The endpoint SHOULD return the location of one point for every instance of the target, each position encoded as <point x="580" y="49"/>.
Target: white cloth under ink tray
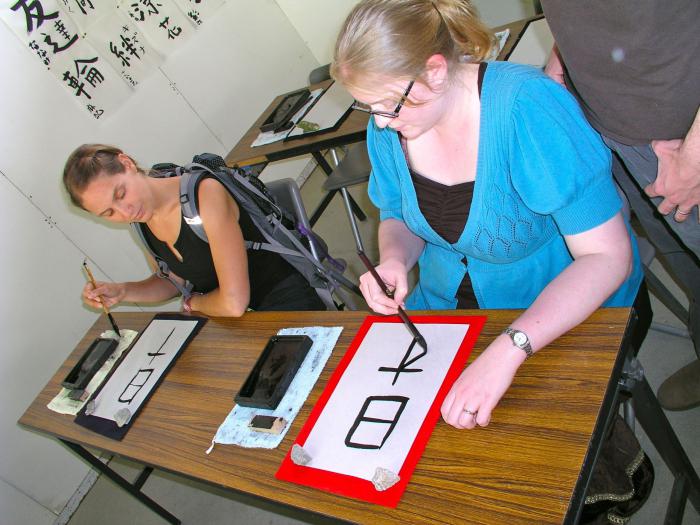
<point x="64" y="404"/>
<point x="234" y="430"/>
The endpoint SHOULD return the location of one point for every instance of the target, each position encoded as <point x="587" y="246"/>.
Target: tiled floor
<point x="196" y="503"/>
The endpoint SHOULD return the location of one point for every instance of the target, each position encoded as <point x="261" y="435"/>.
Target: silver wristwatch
<point x="520" y="340"/>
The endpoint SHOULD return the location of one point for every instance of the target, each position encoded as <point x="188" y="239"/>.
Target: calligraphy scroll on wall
<point x="89" y="45"/>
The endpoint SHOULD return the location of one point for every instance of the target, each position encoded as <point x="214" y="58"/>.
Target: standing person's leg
<point x="676" y="243"/>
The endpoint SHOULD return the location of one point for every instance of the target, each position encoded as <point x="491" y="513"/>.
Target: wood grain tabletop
<point x="522" y="468"/>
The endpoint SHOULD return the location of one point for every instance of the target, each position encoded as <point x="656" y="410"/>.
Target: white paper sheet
<point x="326" y="113"/>
<point x="384" y="345"/>
<point x="142" y="367"/>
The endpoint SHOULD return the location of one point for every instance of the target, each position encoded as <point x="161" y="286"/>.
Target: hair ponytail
<point x="471" y="37"/>
<point x="395" y="38"/>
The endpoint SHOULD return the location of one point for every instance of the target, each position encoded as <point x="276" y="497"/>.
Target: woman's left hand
<point x="480" y="387"/>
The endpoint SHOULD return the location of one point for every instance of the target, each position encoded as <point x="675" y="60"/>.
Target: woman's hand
<point x="480" y="387"/>
<point x="394" y="274"/>
<point x="107" y="293"/>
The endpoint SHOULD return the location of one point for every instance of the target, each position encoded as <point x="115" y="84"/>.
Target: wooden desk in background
<point x="352" y="129"/>
<point x="531" y="464"/>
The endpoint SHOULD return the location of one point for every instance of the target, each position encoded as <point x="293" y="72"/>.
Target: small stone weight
<point x="90" y="407"/>
<point x="299" y="455"/>
<point x="122" y="417"/>
<point x="384" y="479"/>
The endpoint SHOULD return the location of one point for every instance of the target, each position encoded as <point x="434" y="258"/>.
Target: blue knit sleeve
<point x="559" y="165"/>
<point x="383" y="189"/>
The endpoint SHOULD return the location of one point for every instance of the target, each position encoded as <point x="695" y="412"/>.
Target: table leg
<point x="133" y="489"/>
<point x="660" y="432"/>
<point x="329" y="196"/>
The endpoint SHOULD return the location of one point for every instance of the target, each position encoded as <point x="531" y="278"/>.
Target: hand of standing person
<point x="678" y="178"/>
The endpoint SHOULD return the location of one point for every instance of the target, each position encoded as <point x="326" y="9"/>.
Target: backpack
<point x="277" y="225"/>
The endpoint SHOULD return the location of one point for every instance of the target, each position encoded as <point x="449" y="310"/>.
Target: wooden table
<point x="530" y="465"/>
<point x="352" y="129"/>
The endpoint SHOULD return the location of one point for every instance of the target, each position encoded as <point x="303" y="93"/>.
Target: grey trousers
<point x="676" y="244"/>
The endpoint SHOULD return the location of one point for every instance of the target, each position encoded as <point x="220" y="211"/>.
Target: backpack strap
<point x="188" y="201"/>
<point x="238" y="185"/>
<point x="163" y="270"/>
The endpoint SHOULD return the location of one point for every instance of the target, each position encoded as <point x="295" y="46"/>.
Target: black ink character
<point x="92" y="76"/>
<point x="139" y="14"/>
<point x="196" y="17"/>
<point x="82" y="4"/>
<point x="172" y="32"/>
<point x="56" y="47"/>
<point x="362" y="421"/>
<point x="158" y="352"/>
<point x="33" y="11"/>
<point x="126" y="53"/>
<point x="133" y="387"/>
<point x="41" y="53"/>
<point x="405" y="362"/>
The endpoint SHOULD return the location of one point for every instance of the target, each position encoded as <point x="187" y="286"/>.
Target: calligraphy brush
<point x="402" y="313"/>
<point x="104" y="306"/>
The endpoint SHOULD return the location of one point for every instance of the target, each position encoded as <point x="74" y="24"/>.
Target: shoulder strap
<point x="188" y="201"/>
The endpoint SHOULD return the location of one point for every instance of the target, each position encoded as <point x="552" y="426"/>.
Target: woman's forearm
<point x="397" y="242"/>
<point x="151" y="290"/>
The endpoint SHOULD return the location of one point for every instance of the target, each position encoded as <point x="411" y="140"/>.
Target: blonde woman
<point x="227" y="279"/>
<point x="489" y="178"/>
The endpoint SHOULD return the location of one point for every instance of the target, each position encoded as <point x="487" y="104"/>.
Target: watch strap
<point x="525" y="347"/>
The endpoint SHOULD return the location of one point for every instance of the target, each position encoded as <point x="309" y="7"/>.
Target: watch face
<point x="519" y="338"/>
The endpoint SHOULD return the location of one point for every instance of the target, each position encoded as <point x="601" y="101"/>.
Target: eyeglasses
<point x="388" y="114"/>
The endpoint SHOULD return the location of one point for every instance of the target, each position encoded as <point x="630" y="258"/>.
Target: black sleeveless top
<point x="265" y="269"/>
<point x="446" y="209"/>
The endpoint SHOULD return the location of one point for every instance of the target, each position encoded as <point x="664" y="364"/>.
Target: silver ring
<point x="679" y="212"/>
<point x="473" y="414"/>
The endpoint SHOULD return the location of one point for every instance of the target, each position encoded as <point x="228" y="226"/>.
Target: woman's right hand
<point x="394" y="274"/>
<point x="107" y="293"/>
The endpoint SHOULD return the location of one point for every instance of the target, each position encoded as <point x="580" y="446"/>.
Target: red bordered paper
<point x="359" y="488"/>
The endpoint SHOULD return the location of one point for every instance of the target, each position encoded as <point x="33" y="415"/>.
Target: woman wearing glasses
<point x="486" y="175"/>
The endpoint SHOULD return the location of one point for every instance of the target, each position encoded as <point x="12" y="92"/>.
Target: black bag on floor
<point x="622" y="479"/>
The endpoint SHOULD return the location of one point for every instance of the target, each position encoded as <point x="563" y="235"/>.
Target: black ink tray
<point x="273" y="372"/>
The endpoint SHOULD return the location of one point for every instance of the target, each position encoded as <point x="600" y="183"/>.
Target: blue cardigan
<point x="542" y="172"/>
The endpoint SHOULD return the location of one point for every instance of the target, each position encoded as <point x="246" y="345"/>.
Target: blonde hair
<point x="85" y="164"/>
<point x="395" y="38"/>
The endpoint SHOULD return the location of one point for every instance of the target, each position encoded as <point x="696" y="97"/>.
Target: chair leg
<point x="665" y="296"/>
<point x="329" y="196"/>
<point x="351" y="218"/>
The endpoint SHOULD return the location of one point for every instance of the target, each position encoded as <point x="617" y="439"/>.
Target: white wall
<point x="318" y="21"/>
<point x="224" y="77"/>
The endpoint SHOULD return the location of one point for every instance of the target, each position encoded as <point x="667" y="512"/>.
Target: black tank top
<point x="265" y="269"/>
<point x="446" y="209"/>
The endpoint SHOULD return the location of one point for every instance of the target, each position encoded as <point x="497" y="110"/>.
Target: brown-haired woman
<point x="226" y="279"/>
<point x="489" y="178"/>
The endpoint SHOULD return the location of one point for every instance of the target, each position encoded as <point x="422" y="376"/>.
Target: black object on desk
<point x="86" y="367"/>
<point x="281" y="117"/>
<point x="274" y="370"/>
